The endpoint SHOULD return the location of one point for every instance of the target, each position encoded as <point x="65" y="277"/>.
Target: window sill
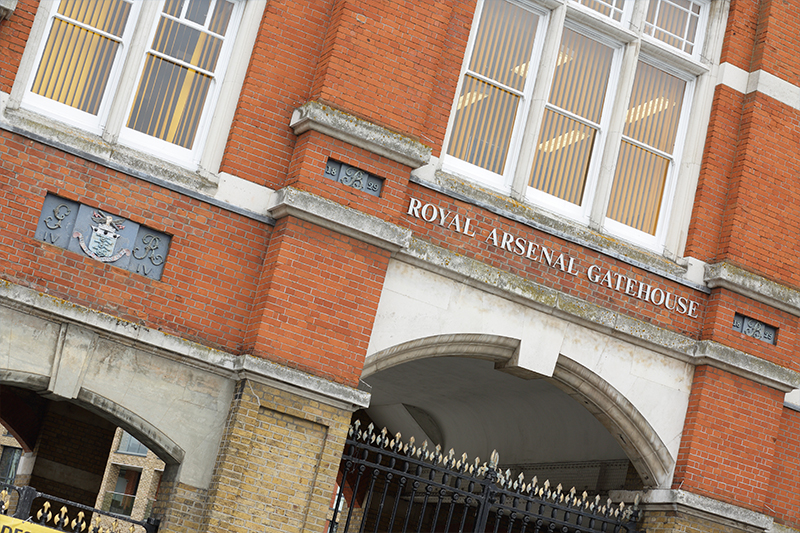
<point x="552" y="224"/>
<point x="113" y="155"/>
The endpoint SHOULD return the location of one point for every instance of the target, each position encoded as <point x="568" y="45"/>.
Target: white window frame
<point x="206" y="154"/>
<point x="500" y="182"/>
<point x="165" y="149"/>
<point x="581" y="213"/>
<point x="695" y="69"/>
<point x="81" y="119"/>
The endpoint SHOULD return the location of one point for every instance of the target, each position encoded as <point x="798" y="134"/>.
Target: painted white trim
<point x="733" y="77"/>
<point x="244" y="194"/>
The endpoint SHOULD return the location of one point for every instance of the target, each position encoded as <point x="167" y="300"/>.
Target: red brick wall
<point x="729" y="438"/>
<point x="784" y="502"/>
<point x="776" y="47"/>
<point x="580" y="286"/>
<point x="740" y="35"/>
<point x="764" y="192"/>
<point x="13" y="34"/>
<point x="318" y="297"/>
<point x="308" y="169"/>
<point x="278" y="81"/>
<point x="395" y="64"/>
<point x="718" y="326"/>
<point x="722" y="141"/>
<point x="210" y="277"/>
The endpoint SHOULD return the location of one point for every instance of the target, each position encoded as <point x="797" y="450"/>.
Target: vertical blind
<point x="80" y="52"/>
<point x="572" y="117"/>
<point x="179" y="70"/>
<point x="651" y="126"/>
<point x="491" y="91"/>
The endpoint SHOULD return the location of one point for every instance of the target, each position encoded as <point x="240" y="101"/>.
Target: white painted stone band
<point x="526" y="292"/>
<point x="753" y="286"/>
<point x="759" y="81"/>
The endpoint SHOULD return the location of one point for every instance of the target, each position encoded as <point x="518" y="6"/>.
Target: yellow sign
<point x="15" y="525"/>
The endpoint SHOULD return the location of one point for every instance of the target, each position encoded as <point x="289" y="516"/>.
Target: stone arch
<point x="613" y="410"/>
<point x="172" y="395"/>
<point x="150" y="435"/>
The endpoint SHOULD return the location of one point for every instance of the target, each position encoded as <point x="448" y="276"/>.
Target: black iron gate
<point x="386" y="486"/>
<point x="32" y="506"/>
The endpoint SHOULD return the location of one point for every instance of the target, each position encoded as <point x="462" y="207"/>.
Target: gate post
<point x="26" y="496"/>
<point x="487" y="494"/>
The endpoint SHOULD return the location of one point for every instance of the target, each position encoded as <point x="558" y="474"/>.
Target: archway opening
<point x="467" y="405"/>
<point x="70" y="451"/>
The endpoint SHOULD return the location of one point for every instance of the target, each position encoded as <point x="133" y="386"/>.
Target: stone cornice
<point x="753" y="286"/>
<point x="745" y="365"/>
<point x="328" y="214"/>
<point x="6" y="8"/>
<point x="702" y="507"/>
<point x="175" y="348"/>
<point x="526" y="292"/>
<point x="348" y="128"/>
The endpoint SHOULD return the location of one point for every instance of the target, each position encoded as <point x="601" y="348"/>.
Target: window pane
<point x="565" y="144"/>
<point x="187" y="44"/>
<point x="171" y="95"/>
<point x="504" y="43"/>
<point x="108" y="16"/>
<point x="562" y="157"/>
<point x="638" y="188"/>
<point x="169" y="101"/>
<point x="197" y="11"/>
<point x="77" y="61"/>
<point x="674" y="22"/>
<point x="221" y="17"/>
<point x="130" y="445"/>
<point x="655" y="108"/>
<point x="484" y="120"/>
<point x="8" y="464"/>
<point x="581" y="77"/>
<point x="609" y="8"/>
<point x="123" y="497"/>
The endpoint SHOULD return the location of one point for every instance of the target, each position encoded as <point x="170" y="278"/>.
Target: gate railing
<point x="70" y="516"/>
<point x="387" y="486"/>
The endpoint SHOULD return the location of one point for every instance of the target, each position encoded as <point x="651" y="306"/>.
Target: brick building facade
<point x="228" y="226"/>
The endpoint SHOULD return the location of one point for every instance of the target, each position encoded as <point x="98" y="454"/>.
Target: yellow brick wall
<point x="278" y="462"/>
<point x="680" y="522"/>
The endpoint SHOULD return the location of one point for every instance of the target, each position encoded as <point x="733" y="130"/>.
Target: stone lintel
<point x="350" y="129"/>
<point x="200" y="185"/>
<point x="290" y="380"/>
<point x="177" y="349"/>
<point x="753" y="286"/>
<point x="641" y="333"/>
<point x="703" y="507"/>
<point x="335" y="217"/>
